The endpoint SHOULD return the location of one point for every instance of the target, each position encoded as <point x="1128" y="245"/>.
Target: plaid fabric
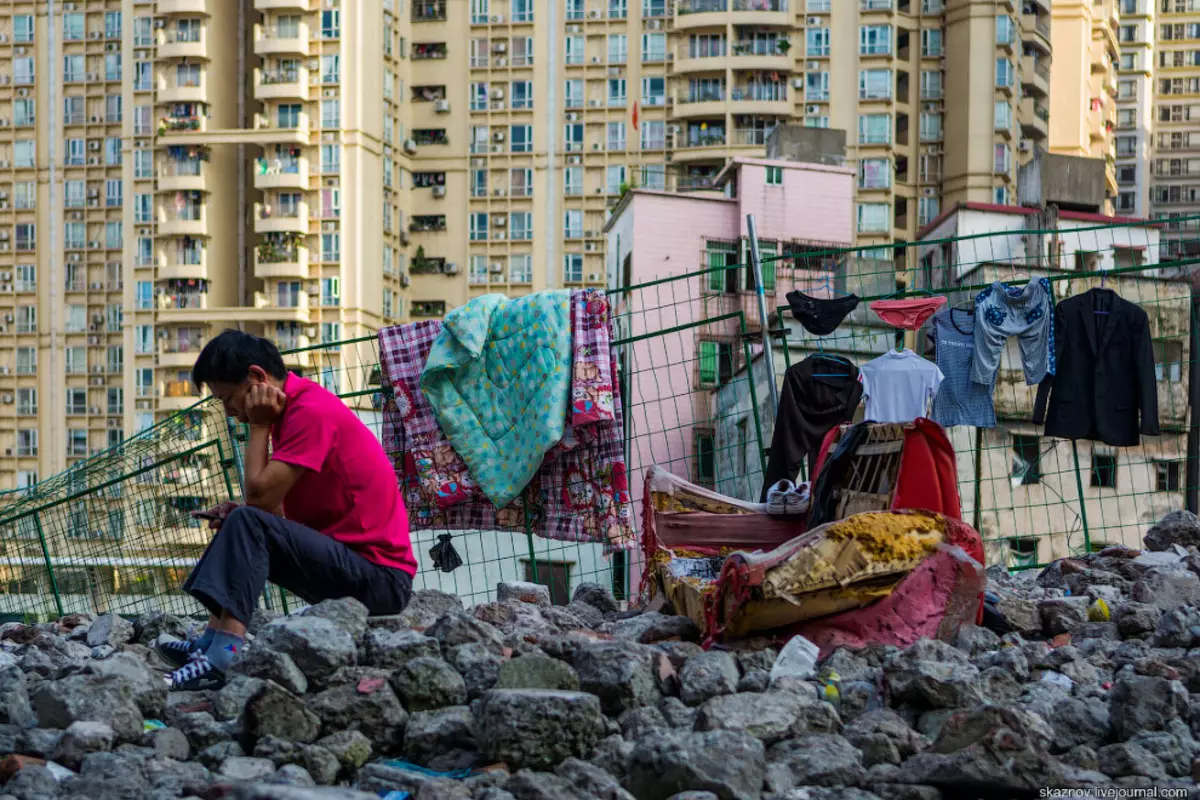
<point x="579" y="494"/>
<point x="591" y="375"/>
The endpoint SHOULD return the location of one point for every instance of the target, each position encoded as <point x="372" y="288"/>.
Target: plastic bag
<point x="445" y="557"/>
<point x="797" y="659"/>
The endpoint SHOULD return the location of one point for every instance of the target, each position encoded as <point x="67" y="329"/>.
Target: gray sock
<point x="201" y="643"/>
<point x="224" y="648"/>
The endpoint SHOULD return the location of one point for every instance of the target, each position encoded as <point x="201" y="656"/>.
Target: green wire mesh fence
<point x="113" y="533"/>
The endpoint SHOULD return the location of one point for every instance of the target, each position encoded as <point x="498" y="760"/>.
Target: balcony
<point x="767" y="56"/>
<point x="191" y="8"/>
<point x="701" y="14"/>
<point x="189" y="307"/>
<point x="281" y="173"/>
<point x="170" y="92"/>
<point x="700" y="145"/>
<point x="281" y="84"/>
<point x="180" y="354"/>
<point x="428" y="51"/>
<point x="182" y="44"/>
<point x="762" y="99"/>
<point x="178" y="395"/>
<point x="183" y="265"/>
<point x="761" y="12"/>
<point x="429" y="11"/>
<point x="182" y="176"/>
<point x="707" y="103"/>
<point x="276" y="260"/>
<point x="271" y="218"/>
<point x="170" y="126"/>
<point x="685" y="63"/>
<point x="1035" y="30"/>
<point x="266" y="130"/>
<point x="191" y="223"/>
<point x="1035" y="119"/>
<point x="1035" y="75"/>
<point x="268" y="308"/>
<point x="281" y="5"/>
<point x="275" y="40"/>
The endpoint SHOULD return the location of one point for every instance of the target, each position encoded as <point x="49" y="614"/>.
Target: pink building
<point x="660" y="245"/>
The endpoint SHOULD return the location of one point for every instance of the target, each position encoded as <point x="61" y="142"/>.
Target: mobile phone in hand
<point x="208" y="515"/>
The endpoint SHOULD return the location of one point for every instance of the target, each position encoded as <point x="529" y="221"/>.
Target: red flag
<point x="635" y="115"/>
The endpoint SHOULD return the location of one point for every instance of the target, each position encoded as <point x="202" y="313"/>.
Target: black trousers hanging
<point x="253" y="547"/>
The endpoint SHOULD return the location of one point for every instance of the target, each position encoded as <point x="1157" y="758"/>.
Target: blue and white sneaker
<point x="176" y="652"/>
<point x="196" y="675"/>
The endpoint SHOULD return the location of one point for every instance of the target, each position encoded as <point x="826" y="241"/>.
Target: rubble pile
<point x="1097" y="684"/>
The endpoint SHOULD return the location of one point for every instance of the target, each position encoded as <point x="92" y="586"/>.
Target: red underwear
<point x="909" y="313"/>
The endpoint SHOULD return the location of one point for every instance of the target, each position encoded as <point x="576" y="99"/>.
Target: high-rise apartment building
<point x="1135" y="107"/>
<point x="1083" y="84"/>
<point x="314" y="169"/>
<point x="1173" y="175"/>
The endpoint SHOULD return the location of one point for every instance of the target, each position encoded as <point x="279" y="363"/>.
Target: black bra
<point x="821" y="316"/>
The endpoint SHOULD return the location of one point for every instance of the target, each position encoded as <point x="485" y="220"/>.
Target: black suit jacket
<point x="1104" y="386"/>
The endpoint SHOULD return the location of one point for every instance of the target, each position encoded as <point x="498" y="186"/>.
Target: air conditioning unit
<point x="329" y="92"/>
<point x="113" y="422"/>
<point x="574" y="160"/>
<point x="929" y="191"/>
<point x="497" y="94"/>
<point x="94" y="145"/>
<point x="74" y="256"/>
<point x="498" y="105"/>
<point x="93" y="409"/>
<point x="410" y="146"/>
<point x="498" y="236"/>
<point x="797" y="83"/>
<point x="497" y="19"/>
<point x="572" y="116"/>
<point x="500" y="47"/>
<point x="112" y="47"/>
<point x="497" y="148"/>
<point x="1025" y="146"/>
<point x="499" y="191"/>
<point x="594" y="14"/>
<point x="95" y="34"/>
<point x="93" y="161"/>
<point x="4" y="122"/>
<point x="812" y="109"/>
<point x="96" y="286"/>
<point x="441" y="106"/>
<point x="439" y="191"/>
<point x="594" y="103"/>
<point x="94" y="340"/>
<point x="589" y="246"/>
<point x="19" y="51"/>
<point x="450" y="269"/>
<point x="499" y="220"/>
<point x="498" y="136"/>
<point x="405" y="280"/>
<point x="574" y="29"/>
<point x="593" y="277"/>
<point x="93" y="77"/>
<point x="932" y="107"/>
<point x="501" y="62"/>
<point x="5" y="276"/>
<point x="94" y="202"/>
<point x="4" y="370"/>
<point x="8" y="399"/>
<point x="596" y="146"/>
<point x="93" y="245"/>
<point x="595" y="59"/>
<point x="497" y="267"/>
<point x="654" y="25"/>
<point x="22" y="92"/>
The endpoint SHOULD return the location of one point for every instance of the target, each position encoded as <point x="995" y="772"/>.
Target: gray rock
<point x="1175" y="753"/>
<point x="152" y="624"/>
<point x="653" y="627"/>
<point x="217" y="754"/>
<point x="754" y="680"/>
<point x="524" y="592"/>
<point x="429" y="734"/>
<point x="347" y="613"/>
<point x="537" y="728"/>
<point x="291" y="775"/>
<point x="425" y="608"/>
<point x="677" y="714"/>
<point x="621" y="674"/>
<point x="246" y="768"/>
<point x="693" y="796"/>
<point x="38" y="742"/>
<point x="318" y="646"/>
<point x="728" y="764"/>
<point x="596" y="596"/>
<point x="393" y="649"/>
<point x="350" y="748"/>
<point x="280" y="751"/>
<point x="111" y="630"/>
<point x="1168" y="588"/>
<point x="479" y="666"/>
<point x="815" y="759"/>
<point x="708" y="675"/>
<point x="168" y="743"/>
<point x="150" y="692"/>
<point x="270" y="790"/>
<point x="905" y="742"/>
<point x="80" y="739"/>
<point x="933" y="674"/>
<point x="260" y="618"/>
<point x="457" y="628"/>
<point x="1179" y="627"/>
<point x="231" y="699"/>
<point x="1021" y="614"/>
<point x="270" y="665"/>
<point x="426" y="682"/>
<point x="110" y="776"/>
<point x="1145" y="703"/>
<point x="998" y="685"/>
<point x="15" y="707"/>
<point x="530" y="785"/>
<point x="678" y="653"/>
<point x="96" y="698"/>
<point x="638" y="722"/>
<point x="1061" y="614"/>
<point x="1076" y="721"/>
<point x="537" y="672"/>
<point x="1125" y="758"/>
<point x="277" y="712"/>
<point x="1135" y="620"/>
<point x="321" y="764"/>
<point x="612" y="755"/>
<point x="975" y="639"/>
<point x="201" y="730"/>
<point x="33" y="782"/>
<point x="1178" y="527"/>
<point x="378" y="715"/>
<point x="770" y="716"/>
<point x="588" y="614"/>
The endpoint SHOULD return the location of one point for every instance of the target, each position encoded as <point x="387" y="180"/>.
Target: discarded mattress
<point x="890" y="577"/>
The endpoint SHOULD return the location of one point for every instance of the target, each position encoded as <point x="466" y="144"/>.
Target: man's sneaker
<point x="777" y="497"/>
<point x="196" y="675"/>
<point x="175" y="652"/>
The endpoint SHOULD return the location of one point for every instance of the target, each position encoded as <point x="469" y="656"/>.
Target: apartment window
<point x="654" y="91"/>
<point x="143" y="339"/>
<point x="23" y="71"/>
<point x="1004" y="73"/>
<point x="1126" y="201"/>
<point x="113" y="235"/>
<point x="26" y="278"/>
<point x="24" y="153"/>
<point x="1004" y="116"/>
<point x="521" y="225"/>
<point x="716" y="363"/>
<point x="1126" y="117"/>
<point x="522" y="95"/>
<point x="520" y="268"/>
<point x="522" y="51"/>
<point x="816" y="42"/>
<point x="72" y="110"/>
<point x="73" y="194"/>
<point x="331" y="113"/>
<point x="816" y="86"/>
<point x="22" y="28"/>
<point x="520" y="182"/>
<point x="76" y="362"/>
<point x="574" y="9"/>
<point x="1005" y="31"/>
<point x="1002" y="158"/>
<point x="931" y="43"/>
<point x="654" y="135"/>
<point x="654" y="8"/>
<point x="1126" y="145"/>
<point x="331" y="332"/>
<point x="875" y="40"/>
<point x="26" y="235"/>
<point x="615" y="140"/>
<point x="331" y="24"/>
<point x="73" y="27"/>
<point x="144" y="381"/>
<point x="143" y="120"/>
<point x="617" y="9"/>
<point x="144" y="296"/>
<point x="931" y="85"/>
<point x="1126" y="90"/>
<point x="573" y="51"/>
<point x="331" y="159"/>
<point x="931" y="127"/>
<point x="115" y="359"/>
<point x="573" y="267"/>
<point x="618" y="48"/>
<point x="573" y="224"/>
<point x="614" y="178"/>
<point x="1167" y="476"/>
<point x="116" y="400"/>
<point x="331" y="247"/>
<point x="522" y="10"/>
<point x="874" y="217"/>
<point x="144" y="255"/>
<point x="113" y="318"/>
<point x="479" y="183"/>
<point x="27" y="442"/>
<point x="927" y="209"/>
<point x="616" y="92"/>
<point x="874" y="173"/>
<point x="477" y="269"/>
<point x="331" y="291"/>
<point x="112" y="151"/>
<point x="26" y="360"/>
<point x="874" y="128"/>
<point x="331" y="200"/>
<point x="816" y="122"/>
<point x="24" y="114"/>
<point x="774" y="176"/>
<point x="1104" y="470"/>
<point x="113" y="197"/>
<point x="1129" y="61"/>
<point x="1168" y="361"/>
<point x="874" y="84"/>
<point x="1027" y="459"/>
<point x="112" y="66"/>
<point x="74" y="235"/>
<point x="1127" y="33"/>
<point x="27" y="402"/>
<point x="820" y="6"/>
<point x="479" y="226"/>
<point x="572" y="180"/>
<point x="654" y="47"/>
<point x="520" y="138"/>
<point x="112" y="25"/>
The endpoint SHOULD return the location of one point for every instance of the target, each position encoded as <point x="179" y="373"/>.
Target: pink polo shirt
<point x="349" y="489"/>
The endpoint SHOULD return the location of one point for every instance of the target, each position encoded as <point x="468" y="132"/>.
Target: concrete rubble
<point x="1095" y="685"/>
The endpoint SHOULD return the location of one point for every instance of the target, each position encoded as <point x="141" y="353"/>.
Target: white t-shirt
<point x="899" y="386"/>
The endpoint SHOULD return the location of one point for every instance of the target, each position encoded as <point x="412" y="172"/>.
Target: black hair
<point x="228" y="357"/>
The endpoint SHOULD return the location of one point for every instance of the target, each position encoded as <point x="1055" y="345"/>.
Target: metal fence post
<point x="1087" y="539"/>
<point x="764" y="319"/>
<point x="37" y="523"/>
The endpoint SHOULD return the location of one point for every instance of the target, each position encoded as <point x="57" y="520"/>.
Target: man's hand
<point x="220" y="512"/>
<point x="264" y="404"/>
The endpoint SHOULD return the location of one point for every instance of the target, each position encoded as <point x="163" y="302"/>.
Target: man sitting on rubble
<point x="308" y="456"/>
